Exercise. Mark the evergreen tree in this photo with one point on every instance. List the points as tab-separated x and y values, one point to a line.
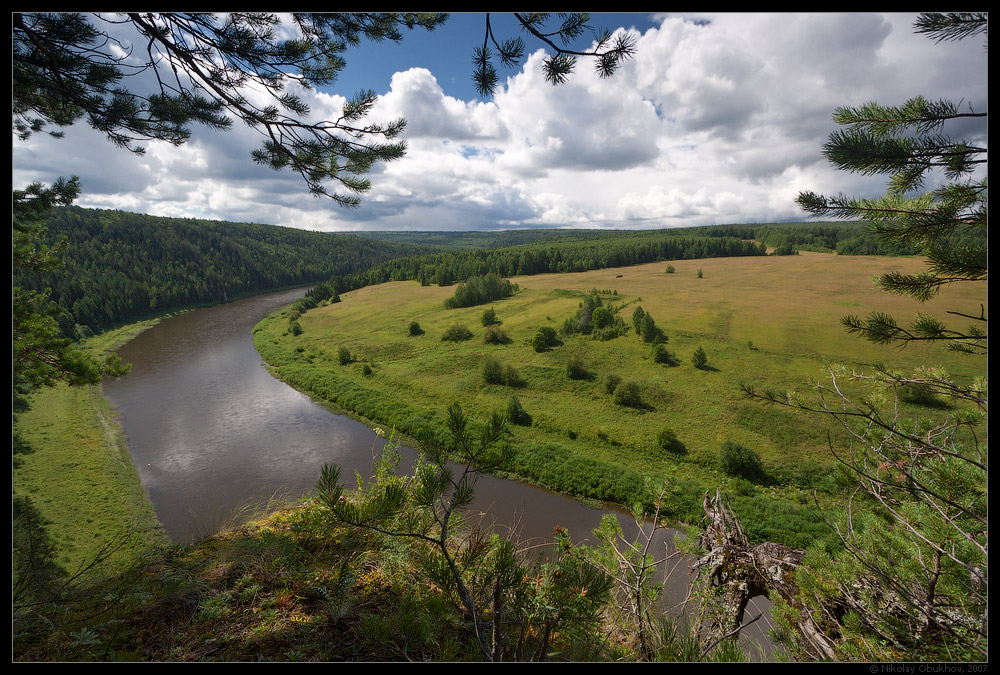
912	581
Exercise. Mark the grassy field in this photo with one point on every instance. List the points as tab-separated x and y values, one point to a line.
772	322
78	476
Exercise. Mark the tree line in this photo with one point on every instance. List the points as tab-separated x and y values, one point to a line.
119	267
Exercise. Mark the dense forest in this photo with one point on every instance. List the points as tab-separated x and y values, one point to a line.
119	267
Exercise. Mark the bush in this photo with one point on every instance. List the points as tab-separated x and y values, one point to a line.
367	371
511	377
296	328
700	358
457	333
601	317
415	329
670	269
516	414
666	439
495	335
661	355
575	369
344	356
490	318
545	338
741	462
611	383
492	371
628	394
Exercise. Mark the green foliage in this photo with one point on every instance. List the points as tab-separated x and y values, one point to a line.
118	267
495	335
575	368
492	371
670	269
699	359
480	289
700	275
628	394
611	383
608	51
367	371
544	339
601	317
666	439
69	66
490	318
661	355
516	413
914	523
40	354
344	356
740	461
456	333
295	328
415	329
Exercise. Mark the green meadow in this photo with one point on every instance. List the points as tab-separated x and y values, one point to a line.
771	322
72	472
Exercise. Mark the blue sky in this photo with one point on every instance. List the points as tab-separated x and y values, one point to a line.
719	118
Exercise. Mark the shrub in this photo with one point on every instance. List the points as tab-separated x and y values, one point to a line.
611	383
516	413
492	371
457	333
490	318
495	335
700	358
700	275
295	328
544	339
575	369
670	269
367	371
601	317
661	355
740	461
511	377
666	439
628	394
344	356
415	329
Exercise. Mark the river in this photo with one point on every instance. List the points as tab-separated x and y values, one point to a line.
216	438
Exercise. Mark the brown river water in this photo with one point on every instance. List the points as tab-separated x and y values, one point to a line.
215	437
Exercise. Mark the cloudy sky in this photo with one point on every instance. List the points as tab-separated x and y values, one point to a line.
719	118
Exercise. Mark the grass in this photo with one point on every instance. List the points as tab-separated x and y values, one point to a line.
788	308
77	473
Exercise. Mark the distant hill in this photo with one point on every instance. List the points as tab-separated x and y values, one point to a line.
119	267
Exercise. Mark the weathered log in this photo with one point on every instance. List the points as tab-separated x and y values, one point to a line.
736	572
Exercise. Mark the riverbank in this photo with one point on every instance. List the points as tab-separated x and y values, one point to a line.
75	474
773	322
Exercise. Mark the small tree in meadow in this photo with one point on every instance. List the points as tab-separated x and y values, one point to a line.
741	462
490	318
628	394
611	383
700	358
415	329
495	335
575	369
492	371
670	269
457	333
516	413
